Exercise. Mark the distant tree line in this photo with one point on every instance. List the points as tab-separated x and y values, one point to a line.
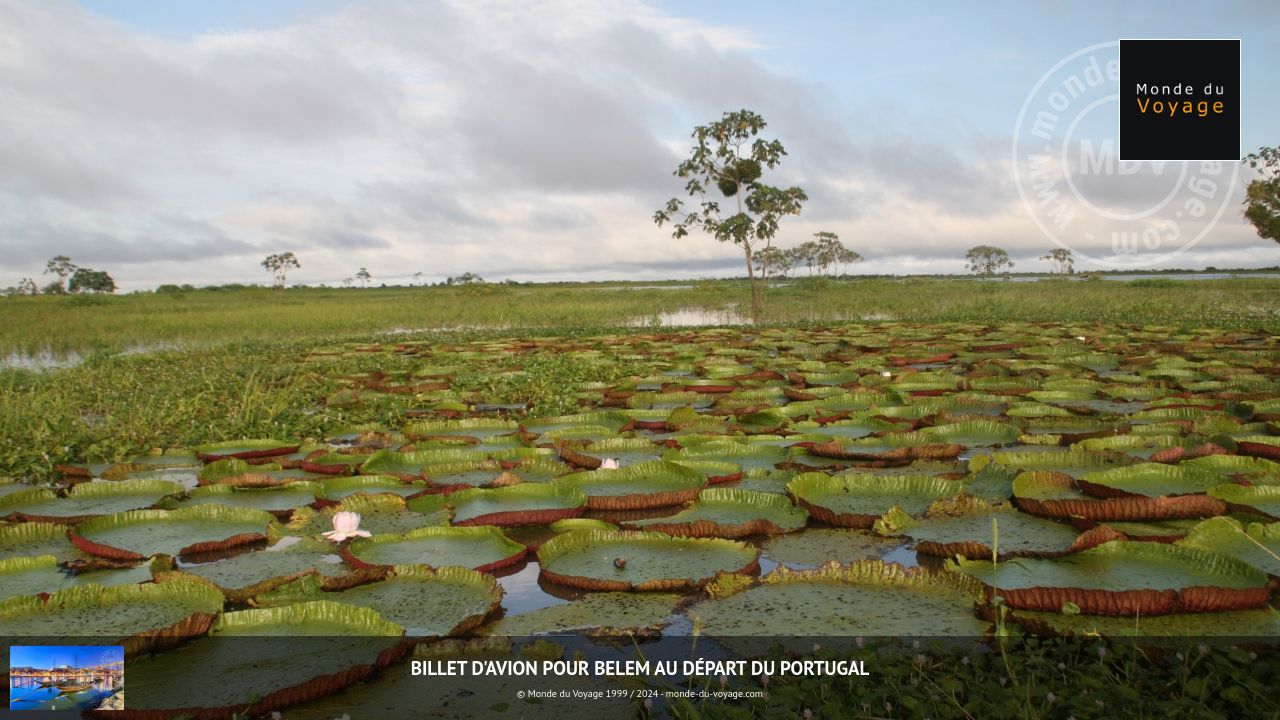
69	278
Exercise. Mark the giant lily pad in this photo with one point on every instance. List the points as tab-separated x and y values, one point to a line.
482	548
617	560
244	575
1125	578
1255	543
974	433
86	500
865	598
1255	625
31	539
138	534
1148	480
244	449
636	487
379	514
1056	495
972	529
523	504
279	500
340	487
410	465
42	574
729	513
605	614
1263	499
333	645
857	500
819	546
425	601
147	614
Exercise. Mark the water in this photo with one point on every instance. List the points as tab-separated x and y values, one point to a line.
46	359
1163	276
23	696
692	317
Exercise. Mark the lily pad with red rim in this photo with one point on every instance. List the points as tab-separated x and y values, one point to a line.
244	449
522	504
138	534
648	561
483	549
1125	578
425	601
636	487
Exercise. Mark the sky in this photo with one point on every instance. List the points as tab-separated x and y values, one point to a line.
182	142
45	657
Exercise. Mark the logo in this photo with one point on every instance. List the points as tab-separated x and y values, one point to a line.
1066	163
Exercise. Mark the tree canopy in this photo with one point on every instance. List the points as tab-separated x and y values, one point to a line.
729	156
1262	196
987	260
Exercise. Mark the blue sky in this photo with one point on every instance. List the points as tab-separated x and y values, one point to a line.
183	141
49	656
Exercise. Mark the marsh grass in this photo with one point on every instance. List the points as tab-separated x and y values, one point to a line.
32	325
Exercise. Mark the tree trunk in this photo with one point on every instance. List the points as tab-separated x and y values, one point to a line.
757	301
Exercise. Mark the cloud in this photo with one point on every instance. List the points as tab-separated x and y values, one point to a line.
509	139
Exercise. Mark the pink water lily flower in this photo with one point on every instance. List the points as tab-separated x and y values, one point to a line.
346	525
609	464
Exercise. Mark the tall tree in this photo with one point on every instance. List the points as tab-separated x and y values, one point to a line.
729	156
63	268
987	260
1060	260
279	265
364	277
1262	196
95	281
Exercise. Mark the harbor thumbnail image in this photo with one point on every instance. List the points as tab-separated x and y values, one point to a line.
66	677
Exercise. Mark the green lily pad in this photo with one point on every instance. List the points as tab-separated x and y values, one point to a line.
425	601
857	500
729	513
273	499
338	488
523	504
973	531
603	560
605	613
636	487
255	678
138	534
31	538
1149	480
1125	578
819	546
244	575
115	612
1252	624
31	575
868	598
380	514
243	449
1264	499
482	548
88	499
1256	543
974	433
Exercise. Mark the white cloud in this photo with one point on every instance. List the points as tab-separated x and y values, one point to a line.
518	140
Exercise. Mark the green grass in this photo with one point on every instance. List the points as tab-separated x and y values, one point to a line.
59	325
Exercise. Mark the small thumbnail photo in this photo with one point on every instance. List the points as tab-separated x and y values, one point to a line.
66	677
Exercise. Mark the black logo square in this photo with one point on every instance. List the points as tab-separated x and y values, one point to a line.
1180	100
